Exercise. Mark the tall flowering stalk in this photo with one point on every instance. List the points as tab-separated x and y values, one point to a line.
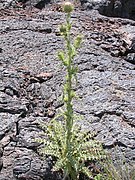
64	140
67	59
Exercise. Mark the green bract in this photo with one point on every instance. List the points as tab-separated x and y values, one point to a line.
68	7
63	29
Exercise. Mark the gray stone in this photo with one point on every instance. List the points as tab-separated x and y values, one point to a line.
31	82
114	8
131	58
1	160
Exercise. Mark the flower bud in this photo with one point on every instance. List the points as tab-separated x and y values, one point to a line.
68	7
62	29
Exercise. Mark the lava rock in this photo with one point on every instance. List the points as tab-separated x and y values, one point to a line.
31	83
1	160
131	58
117	8
132	46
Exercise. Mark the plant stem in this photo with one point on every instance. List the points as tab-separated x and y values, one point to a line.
69	107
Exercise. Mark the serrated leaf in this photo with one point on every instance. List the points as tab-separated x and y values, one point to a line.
61	56
77	41
87	172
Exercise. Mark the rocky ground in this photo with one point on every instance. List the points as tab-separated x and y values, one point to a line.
31	81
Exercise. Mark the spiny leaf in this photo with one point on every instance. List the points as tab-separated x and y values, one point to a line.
87	172
77	41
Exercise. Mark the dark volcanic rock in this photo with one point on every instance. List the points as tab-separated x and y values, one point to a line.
22	4
31	81
131	58
1	161
114	8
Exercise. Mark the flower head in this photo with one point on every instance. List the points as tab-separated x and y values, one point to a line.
68	7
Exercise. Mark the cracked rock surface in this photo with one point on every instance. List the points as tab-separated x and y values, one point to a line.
114	8
31	81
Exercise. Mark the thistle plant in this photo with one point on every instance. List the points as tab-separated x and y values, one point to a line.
65	140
